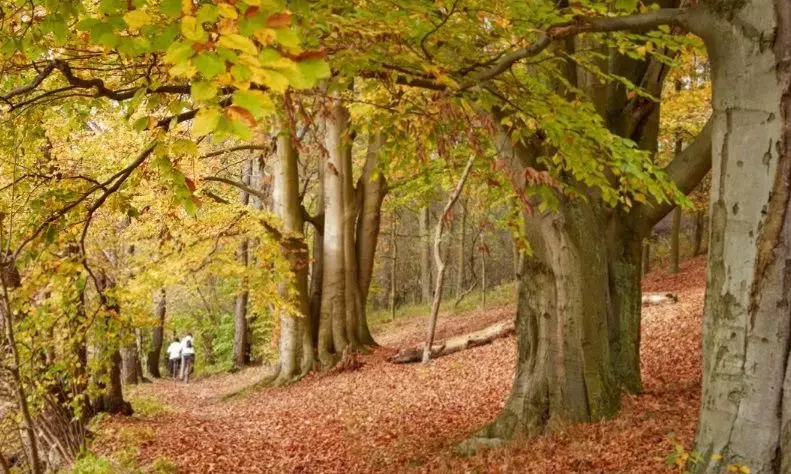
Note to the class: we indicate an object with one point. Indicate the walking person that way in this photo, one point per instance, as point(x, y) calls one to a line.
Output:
point(174, 357)
point(187, 357)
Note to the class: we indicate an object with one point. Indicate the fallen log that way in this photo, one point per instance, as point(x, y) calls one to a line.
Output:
point(653, 299)
point(457, 343)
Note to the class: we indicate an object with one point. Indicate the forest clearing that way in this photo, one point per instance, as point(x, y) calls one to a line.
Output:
point(386, 417)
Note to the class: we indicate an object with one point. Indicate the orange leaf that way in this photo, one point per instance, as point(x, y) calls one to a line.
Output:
point(279, 20)
point(240, 113)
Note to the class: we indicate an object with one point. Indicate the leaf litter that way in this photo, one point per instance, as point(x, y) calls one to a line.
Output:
point(388, 417)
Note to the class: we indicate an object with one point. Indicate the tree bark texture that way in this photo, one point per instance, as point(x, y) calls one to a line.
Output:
point(296, 343)
point(157, 335)
point(746, 401)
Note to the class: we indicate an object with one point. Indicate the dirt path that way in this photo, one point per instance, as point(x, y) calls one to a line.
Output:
point(407, 418)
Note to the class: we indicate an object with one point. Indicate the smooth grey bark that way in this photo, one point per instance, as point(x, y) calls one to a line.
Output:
point(240, 304)
point(746, 403)
point(296, 343)
point(157, 335)
point(332, 328)
point(371, 189)
point(439, 258)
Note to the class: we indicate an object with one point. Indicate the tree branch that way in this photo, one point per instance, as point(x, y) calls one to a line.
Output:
point(687, 170)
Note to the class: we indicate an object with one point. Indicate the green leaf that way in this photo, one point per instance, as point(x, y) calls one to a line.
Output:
point(238, 42)
point(288, 39)
point(207, 13)
point(308, 73)
point(141, 124)
point(206, 121)
point(171, 8)
point(137, 19)
point(209, 65)
point(179, 52)
point(257, 102)
point(626, 5)
point(192, 30)
point(184, 147)
point(203, 90)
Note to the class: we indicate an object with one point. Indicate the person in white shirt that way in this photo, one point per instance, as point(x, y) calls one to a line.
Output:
point(174, 357)
point(187, 357)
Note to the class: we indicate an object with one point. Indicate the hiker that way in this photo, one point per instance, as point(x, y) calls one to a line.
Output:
point(174, 357)
point(187, 357)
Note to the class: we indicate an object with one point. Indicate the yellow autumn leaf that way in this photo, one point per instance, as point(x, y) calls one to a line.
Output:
point(137, 19)
point(238, 43)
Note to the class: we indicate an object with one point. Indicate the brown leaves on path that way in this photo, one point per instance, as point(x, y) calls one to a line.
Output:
point(407, 418)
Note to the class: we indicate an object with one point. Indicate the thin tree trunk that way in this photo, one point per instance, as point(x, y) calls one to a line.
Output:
point(700, 220)
point(484, 250)
point(393, 260)
point(240, 341)
point(674, 241)
point(460, 271)
point(439, 260)
point(425, 255)
point(129, 363)
point(371, 190)
point(676, 230)
point(646, 258)
point(157, 335)
point(33, 455)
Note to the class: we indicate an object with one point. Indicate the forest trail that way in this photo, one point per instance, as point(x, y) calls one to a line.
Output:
point(385, 417)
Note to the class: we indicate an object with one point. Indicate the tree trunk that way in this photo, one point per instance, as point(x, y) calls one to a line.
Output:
point(393, 260)
point(317, 267)
point(112, 399)
point(296, 343)
point(563, 362)
point(700, 221)
point(425, 255)
point(484, 250)
point(646, 257)
point(745, 412)
point(129, 364)
point(456, 343)
point(240, 307)
point(460, 259)
point(157, 336)
point(332, 326)
point(439, 259)
point(675, 235)
point(625, 257)
point(371, 189)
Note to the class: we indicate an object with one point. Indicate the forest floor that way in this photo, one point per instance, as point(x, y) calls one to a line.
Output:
point(408, 418)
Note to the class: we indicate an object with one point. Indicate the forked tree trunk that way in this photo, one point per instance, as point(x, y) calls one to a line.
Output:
point(296, 343)
point(439, 259)
point(746, 405)
point(157, 335)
